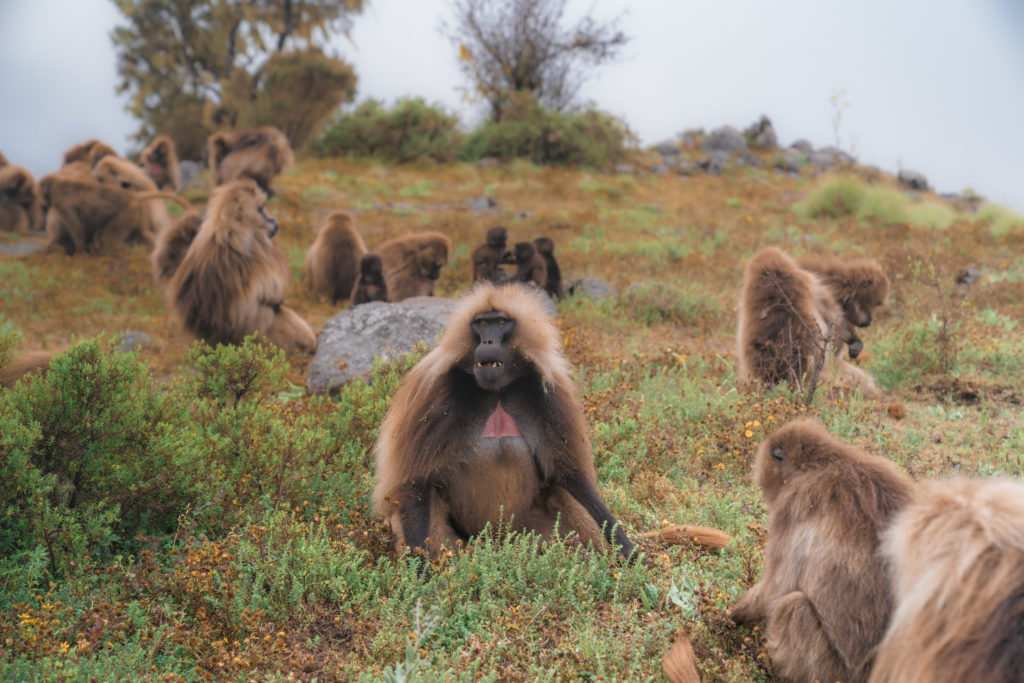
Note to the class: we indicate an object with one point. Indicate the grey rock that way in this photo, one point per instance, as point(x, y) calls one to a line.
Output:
point(623, 168)
point(591, 287)
point(827, 157)
point(803, 146)
point(351, 340)
point(134, 340)
point(489, 162)
point(481, 203)
point(726, 138)
point(762, 134)
point(749, 159)
point(659, 169)
point(667, 148)
point(968, 277)
point(190, 171)
point(790, 160)
point(714, 162)
point(692, 137)
point(22, 248)
point(913, 180)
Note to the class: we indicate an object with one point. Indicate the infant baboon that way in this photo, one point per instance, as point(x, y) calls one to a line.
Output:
point(413, 263)
point(88, 152)
point(858, 286)
point(489, 255)
point(530, 266)
point(160, 161)
point(171, 245)
point(371, 285)
point(260, 154)
point(332, 262)
point(824, 593)
point(232, 280)
point(546, 248)
point(20, 203)
point(957, 564)
point(788, 320)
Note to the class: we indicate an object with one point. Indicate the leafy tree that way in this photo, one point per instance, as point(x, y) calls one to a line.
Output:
point(192, 66)
point(509, 46)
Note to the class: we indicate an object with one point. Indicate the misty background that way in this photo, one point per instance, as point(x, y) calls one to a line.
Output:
point(936, 87)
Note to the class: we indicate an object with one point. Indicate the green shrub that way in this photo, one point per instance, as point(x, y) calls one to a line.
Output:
point(528, 130)
point(1001, 221)
point(838, 196)
point(410, 131)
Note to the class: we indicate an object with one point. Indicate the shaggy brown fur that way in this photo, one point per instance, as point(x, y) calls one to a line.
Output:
point(332, 262)
point(23, 364)
point(530, 266)
point(260, 154)
point(413, 263)
point(232, 280)
point(88, 152)
point(371, 285)
point(787, 316)
point(20, 203)
point(160, 161)
point(489, 255)
point(441, 476)
point(824, 593)
point(546, 248)
point(957, 558)
point(858, 286)
point(172, 244)
point(3, 160)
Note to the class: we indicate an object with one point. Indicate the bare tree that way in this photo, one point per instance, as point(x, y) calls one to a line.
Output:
point(508, 46)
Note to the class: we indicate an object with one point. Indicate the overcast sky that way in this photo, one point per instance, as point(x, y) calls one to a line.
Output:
point(933, 85)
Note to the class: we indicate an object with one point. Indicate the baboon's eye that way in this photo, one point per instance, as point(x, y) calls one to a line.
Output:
point(778, 454)
point(866, 284)
point(126, 185)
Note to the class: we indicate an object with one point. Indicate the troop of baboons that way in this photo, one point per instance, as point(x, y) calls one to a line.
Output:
point(868, 576)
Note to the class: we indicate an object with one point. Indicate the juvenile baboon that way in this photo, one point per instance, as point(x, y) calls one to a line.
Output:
point(790, 327)
point(546, 248)
point(171, 245)
point(858, 286)
point(371, 285)
point(530, 266)
point(160, 161)
point(260, 154)
point(488, 427)
point(489, 255)
point(957, 564)
point(23, 364)
point(413, 263)
point(332, 262)
point(824, 593)
point(88, 152)
point(20, 203)
point(232, 280)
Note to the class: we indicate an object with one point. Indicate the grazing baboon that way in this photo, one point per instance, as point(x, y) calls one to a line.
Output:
point(957, 564)
point(232, 280)
point(546, 248)
point(24, 363)
point(788, 320)
point(371, 285)
point(3, 160)
point(20, 203)
point(530, 266)
point(858, 286)
point(332, 262)
point(260, 154)
point(171, 245)
point(88, 153)
point(824, 594)
point(413, 263)
point(489, 255)
point(160, 161)
point(488, 428)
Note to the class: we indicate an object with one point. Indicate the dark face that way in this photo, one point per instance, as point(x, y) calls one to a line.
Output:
point(271, 223)
point(497, 238)
point(544, 245)
point(524, 252)
point(495, 364)
point(371, 268)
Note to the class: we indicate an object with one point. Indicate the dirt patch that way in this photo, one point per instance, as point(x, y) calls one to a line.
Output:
point(968, 391)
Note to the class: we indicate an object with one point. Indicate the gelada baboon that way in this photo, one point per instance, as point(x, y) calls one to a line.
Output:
point(371, 285)
point(260, 154)
point(790, 327)
point(413, 263)
point(232, 280)
point(488, 427)
point(3, 160)
point(824, 593)
point(488, 257)
point(20, 203)
point(88, 153)
point(858, 286)
point(171, 245)
point(530, 266)
point(23, 364)
point(546, 248)
point(332, 262)
point(160, 161)
point(957, 564)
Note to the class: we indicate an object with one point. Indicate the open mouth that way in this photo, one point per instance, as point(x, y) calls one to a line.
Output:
point(489, 364)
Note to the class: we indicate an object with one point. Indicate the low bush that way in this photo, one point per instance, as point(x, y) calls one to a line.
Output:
point(411, 130)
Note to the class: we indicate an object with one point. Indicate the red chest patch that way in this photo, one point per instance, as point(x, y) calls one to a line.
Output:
point(501, 424)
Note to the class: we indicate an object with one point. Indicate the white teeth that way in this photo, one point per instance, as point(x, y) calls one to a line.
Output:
point(489, 364)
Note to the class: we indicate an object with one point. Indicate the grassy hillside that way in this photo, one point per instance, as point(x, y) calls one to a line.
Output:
point(238, 544)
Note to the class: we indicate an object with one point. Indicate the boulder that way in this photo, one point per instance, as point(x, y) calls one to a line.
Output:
point(762, 134)
point(667, 148)
point(790, 160)
point(913, 180)
point(714, 162)
point(351, 340)
point(726, 139)
point(827, 157)
point(190, 171)
point(692, 137)
point(481, 203)
point(591, 287)
point(803, 146)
